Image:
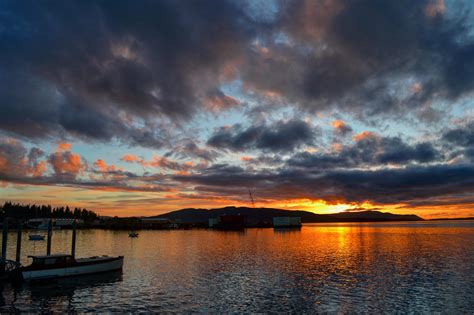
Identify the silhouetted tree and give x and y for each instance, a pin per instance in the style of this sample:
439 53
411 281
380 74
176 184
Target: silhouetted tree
25 212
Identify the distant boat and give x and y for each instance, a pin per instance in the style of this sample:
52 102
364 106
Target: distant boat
36 237
64 265
133 234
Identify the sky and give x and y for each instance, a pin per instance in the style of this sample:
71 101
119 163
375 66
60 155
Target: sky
133 108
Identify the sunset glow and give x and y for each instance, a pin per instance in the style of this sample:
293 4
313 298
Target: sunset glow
303 103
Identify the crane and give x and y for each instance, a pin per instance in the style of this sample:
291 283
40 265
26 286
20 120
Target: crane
251 199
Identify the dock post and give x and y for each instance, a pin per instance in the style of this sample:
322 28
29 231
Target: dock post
18 242
50 235
73 246
5 239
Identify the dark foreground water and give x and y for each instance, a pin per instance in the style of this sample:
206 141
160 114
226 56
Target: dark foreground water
367 267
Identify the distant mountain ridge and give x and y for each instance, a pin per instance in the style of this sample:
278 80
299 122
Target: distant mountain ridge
265 215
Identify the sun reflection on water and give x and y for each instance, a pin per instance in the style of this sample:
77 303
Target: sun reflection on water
350 267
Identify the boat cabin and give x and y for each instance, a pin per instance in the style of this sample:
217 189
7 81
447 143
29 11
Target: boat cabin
57 259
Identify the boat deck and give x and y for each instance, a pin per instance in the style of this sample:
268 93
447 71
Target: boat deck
93 258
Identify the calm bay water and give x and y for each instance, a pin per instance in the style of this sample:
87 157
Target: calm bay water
361 267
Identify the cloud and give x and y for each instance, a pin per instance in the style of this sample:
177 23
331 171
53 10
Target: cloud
460 143
218 101
16 160
341 127
61 74
18 165
189 149
112 78
421 185
364 135
104 167
462 136
159 162
357 55
369 150
129 158
66 164
435 7
281 136
64 146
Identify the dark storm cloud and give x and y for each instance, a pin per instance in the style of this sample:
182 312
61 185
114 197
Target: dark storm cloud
410 185
191 149
398 152
462 136
369 151
282 136
462 140
46 114
359 55
74 67
404 185
90 68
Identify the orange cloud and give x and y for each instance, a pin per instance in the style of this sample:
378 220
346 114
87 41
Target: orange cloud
416 87
130 158
39 169
66 163
218 103
341 127
159 162
338 124
3 164
15 159
435 7
364 135
163 162
102 165
64 146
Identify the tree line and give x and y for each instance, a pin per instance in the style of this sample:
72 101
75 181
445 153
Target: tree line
21 211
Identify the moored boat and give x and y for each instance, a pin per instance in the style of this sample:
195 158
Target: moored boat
133 234
65 265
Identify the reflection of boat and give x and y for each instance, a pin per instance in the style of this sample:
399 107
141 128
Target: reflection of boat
287 222
51 290
64 265
36 237
133 234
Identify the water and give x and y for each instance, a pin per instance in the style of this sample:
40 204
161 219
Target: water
360 267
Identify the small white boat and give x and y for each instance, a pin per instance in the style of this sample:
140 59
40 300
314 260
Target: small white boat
133 234
36 237
64 265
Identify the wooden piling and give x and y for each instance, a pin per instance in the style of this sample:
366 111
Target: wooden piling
50 235
5 239
73 246
18 242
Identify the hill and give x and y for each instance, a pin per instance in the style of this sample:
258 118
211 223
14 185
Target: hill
375 216
256 216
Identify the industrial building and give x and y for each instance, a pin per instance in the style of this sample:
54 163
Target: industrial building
286 222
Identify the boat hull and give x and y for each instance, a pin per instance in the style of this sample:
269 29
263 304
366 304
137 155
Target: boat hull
90 267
